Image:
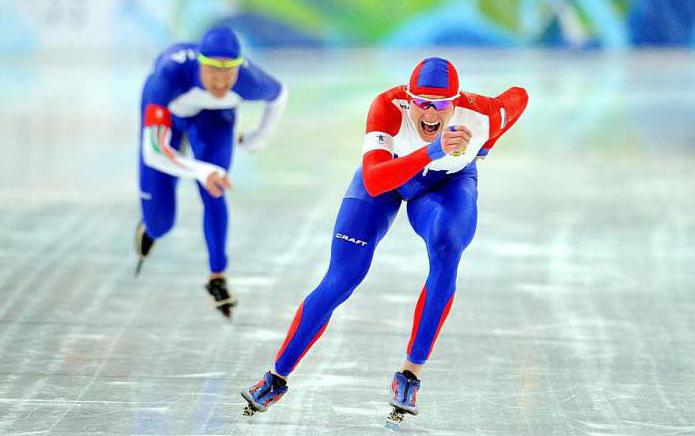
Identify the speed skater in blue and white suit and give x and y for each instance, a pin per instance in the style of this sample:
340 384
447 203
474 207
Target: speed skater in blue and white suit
194 90
421 146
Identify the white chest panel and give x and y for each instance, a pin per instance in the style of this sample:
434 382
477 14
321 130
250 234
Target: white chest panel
407 140
196 99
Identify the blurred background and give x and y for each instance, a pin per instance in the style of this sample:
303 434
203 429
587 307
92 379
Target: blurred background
73 69
575 312
37 25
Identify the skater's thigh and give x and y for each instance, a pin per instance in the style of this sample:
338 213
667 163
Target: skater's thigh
364 215
158 200
447 214
211 134
364 222
359 227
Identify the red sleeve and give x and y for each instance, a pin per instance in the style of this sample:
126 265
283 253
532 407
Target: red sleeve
504 111
382 173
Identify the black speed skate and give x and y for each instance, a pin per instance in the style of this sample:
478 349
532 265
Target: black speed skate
224 299
143 245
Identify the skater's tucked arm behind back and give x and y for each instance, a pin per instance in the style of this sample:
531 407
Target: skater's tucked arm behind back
255 84
504 111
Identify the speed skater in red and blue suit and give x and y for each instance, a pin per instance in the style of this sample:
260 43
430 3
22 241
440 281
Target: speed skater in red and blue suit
421 147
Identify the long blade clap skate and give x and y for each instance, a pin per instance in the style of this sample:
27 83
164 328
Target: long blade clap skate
267 391
138 267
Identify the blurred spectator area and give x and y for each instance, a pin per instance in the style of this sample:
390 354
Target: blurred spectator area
33 25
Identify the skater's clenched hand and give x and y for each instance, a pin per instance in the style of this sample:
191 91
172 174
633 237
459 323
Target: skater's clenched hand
216 184
455 142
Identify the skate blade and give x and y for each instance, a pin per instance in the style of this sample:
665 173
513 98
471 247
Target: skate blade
394 420
392 426
138 267
226 311
249 410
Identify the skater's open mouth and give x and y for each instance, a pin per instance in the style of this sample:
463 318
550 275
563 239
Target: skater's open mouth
429 128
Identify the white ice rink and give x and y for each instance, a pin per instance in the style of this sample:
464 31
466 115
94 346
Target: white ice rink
575 311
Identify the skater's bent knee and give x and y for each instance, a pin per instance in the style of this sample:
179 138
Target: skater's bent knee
446 247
